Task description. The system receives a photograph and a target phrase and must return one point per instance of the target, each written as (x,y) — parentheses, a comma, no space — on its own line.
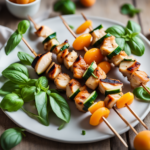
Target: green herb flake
(83,132)
(72,27)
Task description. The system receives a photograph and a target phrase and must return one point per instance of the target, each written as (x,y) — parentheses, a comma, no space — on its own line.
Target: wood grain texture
(103,8)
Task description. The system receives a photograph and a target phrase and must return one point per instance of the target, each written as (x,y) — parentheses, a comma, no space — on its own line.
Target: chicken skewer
(89,82)
(143,85)
(57,75)
(102,92)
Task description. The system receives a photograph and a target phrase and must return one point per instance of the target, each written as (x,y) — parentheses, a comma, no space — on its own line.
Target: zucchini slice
(66,46)
(98,42)
(90,100)
(107,92)
(74,94)
(51,36)
(89,70)
(126,59)
(114,53)
(97,28)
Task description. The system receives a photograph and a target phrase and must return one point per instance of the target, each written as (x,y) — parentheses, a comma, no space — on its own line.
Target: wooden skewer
(114,131)
(136,116)
(35,25)
(127,123)
(35,54)
(148,91)
(75,36)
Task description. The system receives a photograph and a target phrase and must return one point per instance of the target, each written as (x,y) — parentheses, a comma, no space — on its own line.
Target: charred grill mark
(66,41)
(40,29)
(80,103)
(148,77)
(111,81)
(51,70)
(78,59)
(134,66)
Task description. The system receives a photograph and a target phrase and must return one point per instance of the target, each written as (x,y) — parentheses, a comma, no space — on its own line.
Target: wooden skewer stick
(114,131)
(35,25)
(35,54)
(70,30)
(127,123)
(148,91)
(136,116)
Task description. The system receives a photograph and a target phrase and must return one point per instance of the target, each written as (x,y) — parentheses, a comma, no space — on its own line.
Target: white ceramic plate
(79,121)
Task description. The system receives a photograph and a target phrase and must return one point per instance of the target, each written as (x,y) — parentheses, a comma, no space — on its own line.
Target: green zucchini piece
(114,53)
(126,59)
(90,100)
(112,92)
(98,42)
(89,71)
(65,47)
(97,28)
(74,94)
(52,48)
(51,36)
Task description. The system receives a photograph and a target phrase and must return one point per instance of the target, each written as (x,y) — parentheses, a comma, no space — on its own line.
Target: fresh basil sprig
(11,137)
(127,38)
(25,58)
(129,9)
(141,93)
(11,102)
(16,37)
(65,6)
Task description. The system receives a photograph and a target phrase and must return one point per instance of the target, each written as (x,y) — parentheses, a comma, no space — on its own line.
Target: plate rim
(86,140)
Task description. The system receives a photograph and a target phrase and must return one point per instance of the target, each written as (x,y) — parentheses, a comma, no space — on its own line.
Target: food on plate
(142,140)
(93,54)
(105,66)
(84,26)
(87,3)
(82,41)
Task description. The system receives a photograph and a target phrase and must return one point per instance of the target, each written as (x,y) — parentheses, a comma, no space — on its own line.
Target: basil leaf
(15,76)
(133,26)
(42,108)
(11,102)
(32,82)
(68,7)
(23,26)
(116,30)
(3,93)
(62,126)
(42,83)
(11,137)
(60,107)
(58,5)
(137,46)
(13,41)
(10,86)
(18,92)
(120,42)
(25,58)
(127,49)
(27,93)
(141,94)
(18,67)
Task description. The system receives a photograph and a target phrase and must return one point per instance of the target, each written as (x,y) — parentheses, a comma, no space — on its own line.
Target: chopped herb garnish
(83,132)
(72,27)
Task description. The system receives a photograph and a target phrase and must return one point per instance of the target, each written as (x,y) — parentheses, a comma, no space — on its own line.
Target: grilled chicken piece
(111,100)
(80,98)
(97,34)
(109,45)
(70,59)
(93,82)
(109,84)
(53,71)
(72,86)
(139,77)
(43,31)
(42,62)
(79,67)
(128,67)
(61,55)
(49,46)
(57,49)
(116,60)
(61,81)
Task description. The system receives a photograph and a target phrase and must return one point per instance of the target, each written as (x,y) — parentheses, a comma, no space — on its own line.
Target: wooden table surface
(103,8)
